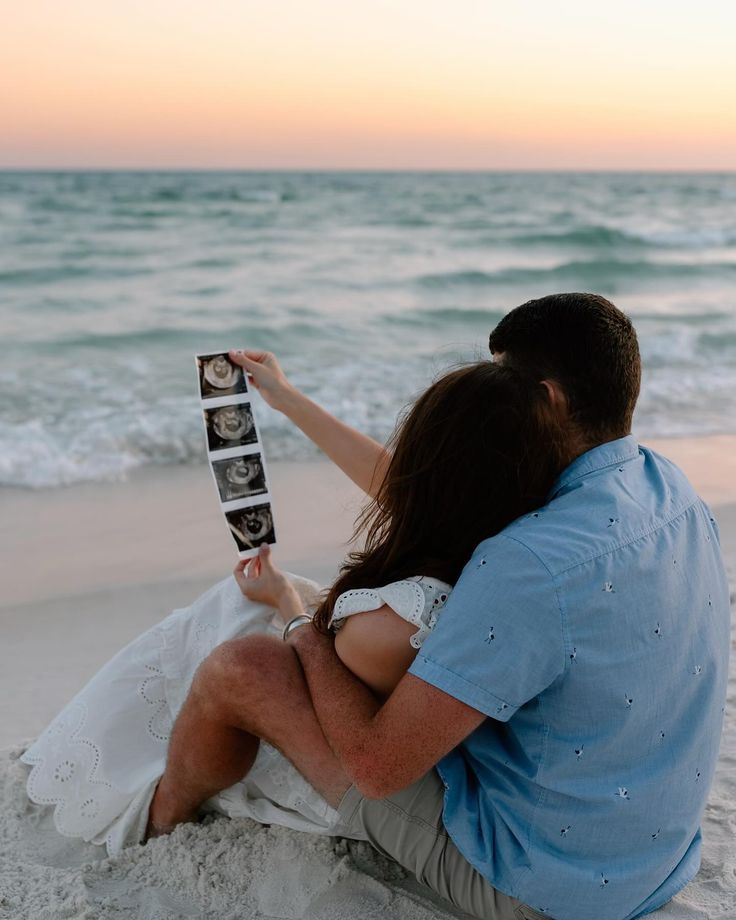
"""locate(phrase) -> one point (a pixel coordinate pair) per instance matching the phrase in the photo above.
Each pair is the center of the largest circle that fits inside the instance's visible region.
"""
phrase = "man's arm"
(382, 746)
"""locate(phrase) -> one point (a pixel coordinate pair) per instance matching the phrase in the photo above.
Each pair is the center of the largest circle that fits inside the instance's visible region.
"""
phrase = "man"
(550, 752)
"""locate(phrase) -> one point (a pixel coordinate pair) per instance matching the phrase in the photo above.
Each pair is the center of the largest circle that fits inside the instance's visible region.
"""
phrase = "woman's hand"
(261, 581)
(265, 373)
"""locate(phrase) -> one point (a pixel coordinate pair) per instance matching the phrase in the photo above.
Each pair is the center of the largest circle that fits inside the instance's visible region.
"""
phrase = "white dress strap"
(418, 600)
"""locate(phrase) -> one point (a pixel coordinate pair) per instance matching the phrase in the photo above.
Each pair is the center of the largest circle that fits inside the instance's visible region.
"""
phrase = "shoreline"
(163, 524)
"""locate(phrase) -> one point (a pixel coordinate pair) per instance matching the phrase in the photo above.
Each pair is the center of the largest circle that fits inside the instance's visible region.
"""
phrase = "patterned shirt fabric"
(595, 635)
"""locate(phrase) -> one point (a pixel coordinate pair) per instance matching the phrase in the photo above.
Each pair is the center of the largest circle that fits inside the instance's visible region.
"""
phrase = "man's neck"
(578, 443)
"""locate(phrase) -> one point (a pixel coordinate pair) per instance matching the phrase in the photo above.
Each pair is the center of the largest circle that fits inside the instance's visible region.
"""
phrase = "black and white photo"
(252, 526)
(235, 453)
(218, 376)
(230, 426)
(239, 477)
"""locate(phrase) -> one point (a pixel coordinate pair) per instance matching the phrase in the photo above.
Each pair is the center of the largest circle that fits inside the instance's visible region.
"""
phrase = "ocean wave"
(719, 341)
(669, 320)
(261, 332)
(61, 204)
(145, 212)
(56, 274)
(210, 262)
(399, 220)
(702, 238)
(95, 442)
(155, 203)
(169, 194)
(602, 236)
(34, 455)
(158, 335)
(210, 290)
(460, 315)
(40, 275)
(250, 196)
(591, 271)
(98, 420)
(592, 236)
(467, 277)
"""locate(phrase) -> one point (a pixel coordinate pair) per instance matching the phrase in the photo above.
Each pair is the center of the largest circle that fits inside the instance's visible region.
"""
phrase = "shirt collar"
(622, 450)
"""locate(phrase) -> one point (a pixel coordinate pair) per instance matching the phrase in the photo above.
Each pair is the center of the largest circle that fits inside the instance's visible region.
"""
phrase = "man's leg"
(408, 828)
(246, 689)
(254, 688)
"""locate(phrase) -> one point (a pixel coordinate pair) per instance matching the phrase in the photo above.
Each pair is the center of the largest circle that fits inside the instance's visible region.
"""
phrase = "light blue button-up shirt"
(595, 635)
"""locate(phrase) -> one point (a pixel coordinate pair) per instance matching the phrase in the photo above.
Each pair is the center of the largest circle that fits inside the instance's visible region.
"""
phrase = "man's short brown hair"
(588, 346)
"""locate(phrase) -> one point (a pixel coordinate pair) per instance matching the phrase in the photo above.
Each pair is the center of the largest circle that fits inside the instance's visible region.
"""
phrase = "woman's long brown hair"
(478, 449)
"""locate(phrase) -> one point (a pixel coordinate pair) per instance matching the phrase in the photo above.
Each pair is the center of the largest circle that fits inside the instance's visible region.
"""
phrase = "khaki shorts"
(407, 827)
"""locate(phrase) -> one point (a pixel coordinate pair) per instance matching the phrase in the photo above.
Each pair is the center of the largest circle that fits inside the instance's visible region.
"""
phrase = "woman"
(478, 449)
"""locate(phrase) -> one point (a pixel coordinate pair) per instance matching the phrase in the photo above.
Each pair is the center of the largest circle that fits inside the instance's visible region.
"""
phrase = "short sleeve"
(499, 642)
(417, 600)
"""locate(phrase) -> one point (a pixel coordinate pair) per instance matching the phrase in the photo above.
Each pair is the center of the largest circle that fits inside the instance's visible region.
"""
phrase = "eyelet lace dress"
(99, 761)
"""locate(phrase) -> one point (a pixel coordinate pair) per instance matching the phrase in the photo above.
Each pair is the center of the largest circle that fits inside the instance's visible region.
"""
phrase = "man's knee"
(239, 669)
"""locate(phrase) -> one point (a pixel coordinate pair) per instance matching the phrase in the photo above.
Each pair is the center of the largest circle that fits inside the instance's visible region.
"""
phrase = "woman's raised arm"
(358, 456)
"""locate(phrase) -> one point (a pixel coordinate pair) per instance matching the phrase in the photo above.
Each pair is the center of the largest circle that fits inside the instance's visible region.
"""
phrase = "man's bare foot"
(163, 816)
(157, 830)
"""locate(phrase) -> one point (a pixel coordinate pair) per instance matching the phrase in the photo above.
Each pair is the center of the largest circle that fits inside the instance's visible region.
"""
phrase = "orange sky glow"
(426, 84)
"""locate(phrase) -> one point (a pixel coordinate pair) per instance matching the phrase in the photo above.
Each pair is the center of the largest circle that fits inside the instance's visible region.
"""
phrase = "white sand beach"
(84, 569)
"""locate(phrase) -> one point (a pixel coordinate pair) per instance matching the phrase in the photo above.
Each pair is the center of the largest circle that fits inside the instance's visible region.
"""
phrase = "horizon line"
(374, 169)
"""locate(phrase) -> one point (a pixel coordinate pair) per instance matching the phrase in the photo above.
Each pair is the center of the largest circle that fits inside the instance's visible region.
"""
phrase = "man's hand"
(383, 747)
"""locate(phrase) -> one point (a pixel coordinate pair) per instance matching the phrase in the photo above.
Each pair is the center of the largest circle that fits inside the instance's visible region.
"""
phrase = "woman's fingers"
(247, 569)
(254, 568)
(241, 358)
(254, 354)
(264, 371)
(251, 360)
(253, 368)
(266, 559)
(259, 580)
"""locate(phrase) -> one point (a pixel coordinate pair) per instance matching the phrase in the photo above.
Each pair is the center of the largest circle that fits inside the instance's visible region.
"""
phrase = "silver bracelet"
(294, 623)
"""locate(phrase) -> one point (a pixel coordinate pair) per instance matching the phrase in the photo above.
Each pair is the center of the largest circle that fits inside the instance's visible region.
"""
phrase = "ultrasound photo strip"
(240, 477)
(235, 452)
(250, 527)
(218, 376)
(230, 426)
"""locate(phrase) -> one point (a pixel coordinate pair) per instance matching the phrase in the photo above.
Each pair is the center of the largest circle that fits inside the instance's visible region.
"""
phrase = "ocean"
(365, 285)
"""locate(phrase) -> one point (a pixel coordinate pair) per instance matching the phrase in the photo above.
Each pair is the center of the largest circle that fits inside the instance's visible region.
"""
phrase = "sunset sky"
(340, 84)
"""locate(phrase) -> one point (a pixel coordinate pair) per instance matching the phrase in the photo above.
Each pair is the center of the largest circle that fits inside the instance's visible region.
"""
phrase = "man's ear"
(556, 396)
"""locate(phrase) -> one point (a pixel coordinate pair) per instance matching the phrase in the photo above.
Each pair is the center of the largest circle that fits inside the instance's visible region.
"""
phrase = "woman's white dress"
(100, 759)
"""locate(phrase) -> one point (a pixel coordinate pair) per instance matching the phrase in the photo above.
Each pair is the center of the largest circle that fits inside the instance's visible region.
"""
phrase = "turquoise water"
(365, 285)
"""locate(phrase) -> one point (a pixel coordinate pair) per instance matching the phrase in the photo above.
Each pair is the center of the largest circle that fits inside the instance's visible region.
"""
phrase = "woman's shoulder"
(417, 599)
